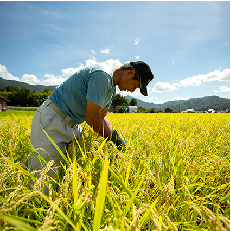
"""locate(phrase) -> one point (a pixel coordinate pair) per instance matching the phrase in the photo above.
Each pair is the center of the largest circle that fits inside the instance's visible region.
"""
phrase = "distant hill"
(4, 83)
(199, 104)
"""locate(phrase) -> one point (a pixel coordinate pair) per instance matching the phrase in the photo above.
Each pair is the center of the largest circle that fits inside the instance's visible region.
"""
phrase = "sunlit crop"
(173, 175)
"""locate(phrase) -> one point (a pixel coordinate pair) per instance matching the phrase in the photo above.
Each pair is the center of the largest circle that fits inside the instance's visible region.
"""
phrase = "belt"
(66, 118)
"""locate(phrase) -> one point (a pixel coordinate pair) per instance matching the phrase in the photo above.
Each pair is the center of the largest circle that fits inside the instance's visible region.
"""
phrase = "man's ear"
(131, 72)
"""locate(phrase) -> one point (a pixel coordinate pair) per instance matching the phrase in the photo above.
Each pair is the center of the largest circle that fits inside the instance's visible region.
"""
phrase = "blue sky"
(186, 44)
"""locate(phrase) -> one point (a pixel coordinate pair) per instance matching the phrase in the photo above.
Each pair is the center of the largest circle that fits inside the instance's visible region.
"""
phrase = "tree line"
(24, 97)
(120, 103)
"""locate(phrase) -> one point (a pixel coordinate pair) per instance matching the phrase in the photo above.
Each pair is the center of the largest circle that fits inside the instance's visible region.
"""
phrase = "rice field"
(173, 175)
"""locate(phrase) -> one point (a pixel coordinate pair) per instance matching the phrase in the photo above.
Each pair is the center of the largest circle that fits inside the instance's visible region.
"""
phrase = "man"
(85, 96)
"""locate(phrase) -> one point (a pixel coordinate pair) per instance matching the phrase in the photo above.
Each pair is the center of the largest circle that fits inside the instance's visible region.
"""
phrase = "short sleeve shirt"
(93, 83)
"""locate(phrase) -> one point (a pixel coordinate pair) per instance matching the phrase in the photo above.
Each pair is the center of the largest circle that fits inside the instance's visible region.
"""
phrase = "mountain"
(199, 104)
(205, 103)
(4, 83)
(142, 103)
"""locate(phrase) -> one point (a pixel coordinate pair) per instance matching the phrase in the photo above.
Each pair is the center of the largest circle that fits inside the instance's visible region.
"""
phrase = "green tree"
(44, 96)
(121, 109)
(11, 96)
(133, 102)
(119, 101)
(141, 109)
(34, 99)
(46, 90)
(24, 96)
(11, 88)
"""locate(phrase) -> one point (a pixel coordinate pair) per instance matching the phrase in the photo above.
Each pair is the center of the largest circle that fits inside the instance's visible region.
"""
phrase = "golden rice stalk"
(101, 195)
(213, 221)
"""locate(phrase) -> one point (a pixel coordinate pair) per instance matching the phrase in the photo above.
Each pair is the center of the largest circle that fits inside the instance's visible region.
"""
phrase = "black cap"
(145, 74)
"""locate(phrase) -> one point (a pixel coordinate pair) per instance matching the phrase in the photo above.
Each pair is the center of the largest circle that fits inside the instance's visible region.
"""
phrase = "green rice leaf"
(75, 189)
(114, 204)
(25, 172)
(62, 214)
(26, 220)
(81, 150)
(99, 149)
(132, 198)
(18, 223)
(128, 172)
(101, 196)
(137, 202)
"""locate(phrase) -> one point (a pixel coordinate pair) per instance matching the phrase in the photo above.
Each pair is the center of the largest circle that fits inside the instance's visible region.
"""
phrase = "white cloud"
(124, 93)
(176, 85)
(152, 100)
(173, 61)
(163, 86)
(137, 57)
(6, 75)
(30, 79)
(90, 62)
(52, 80)
(70, 71)
(191, 81)
(225, 75)
(224, 89)
(112, 63)
(216, 75)
(137, 41)
(105, 51)
(159, 87)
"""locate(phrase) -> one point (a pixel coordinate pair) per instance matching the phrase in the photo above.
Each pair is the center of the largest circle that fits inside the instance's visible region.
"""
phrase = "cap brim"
(143, 88)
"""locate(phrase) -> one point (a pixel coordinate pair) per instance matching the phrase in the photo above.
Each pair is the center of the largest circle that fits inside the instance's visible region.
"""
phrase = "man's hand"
(118, 141)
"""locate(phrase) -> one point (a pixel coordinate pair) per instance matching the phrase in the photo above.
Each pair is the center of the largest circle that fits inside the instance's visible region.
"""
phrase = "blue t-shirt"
(93, 83)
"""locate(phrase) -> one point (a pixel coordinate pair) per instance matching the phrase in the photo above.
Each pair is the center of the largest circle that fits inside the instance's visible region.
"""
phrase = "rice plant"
(173, 175)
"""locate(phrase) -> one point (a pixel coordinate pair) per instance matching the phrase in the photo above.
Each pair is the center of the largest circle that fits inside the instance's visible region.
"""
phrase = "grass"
(22, 109)
(173, 175)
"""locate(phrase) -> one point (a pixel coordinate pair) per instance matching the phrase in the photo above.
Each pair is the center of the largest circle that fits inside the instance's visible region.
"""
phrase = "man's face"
(127, 83)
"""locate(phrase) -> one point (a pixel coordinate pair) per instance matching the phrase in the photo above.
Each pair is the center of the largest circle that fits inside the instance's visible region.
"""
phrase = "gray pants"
(60, 131)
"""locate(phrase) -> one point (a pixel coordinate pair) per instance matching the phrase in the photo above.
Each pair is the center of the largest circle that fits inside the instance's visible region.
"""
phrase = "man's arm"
(103, 116)
(98, 119)
(102, 125)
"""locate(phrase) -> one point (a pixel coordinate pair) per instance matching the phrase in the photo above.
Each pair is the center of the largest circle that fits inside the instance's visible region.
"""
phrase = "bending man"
(85, 96)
